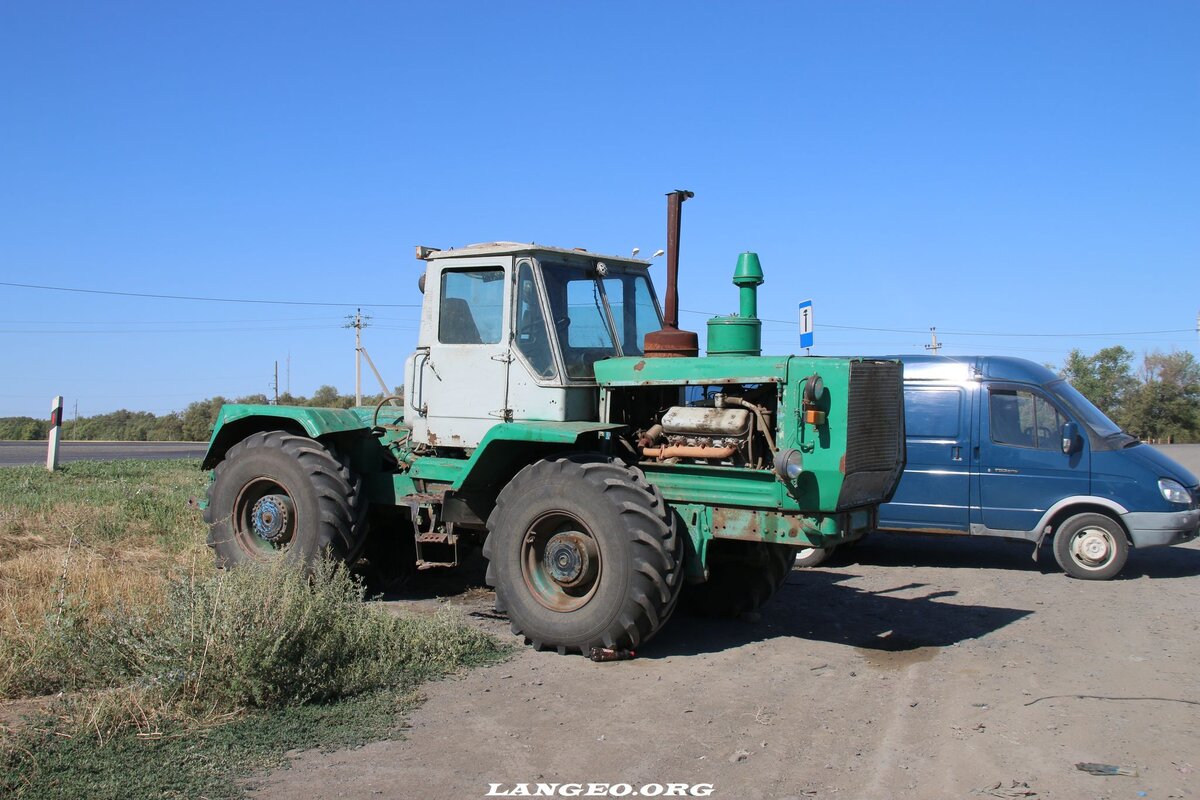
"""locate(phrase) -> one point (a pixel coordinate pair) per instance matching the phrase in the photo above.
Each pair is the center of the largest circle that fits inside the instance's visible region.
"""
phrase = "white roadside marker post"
(56, 413)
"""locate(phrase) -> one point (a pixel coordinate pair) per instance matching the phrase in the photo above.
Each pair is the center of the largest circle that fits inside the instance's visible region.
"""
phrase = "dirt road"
(926, 669)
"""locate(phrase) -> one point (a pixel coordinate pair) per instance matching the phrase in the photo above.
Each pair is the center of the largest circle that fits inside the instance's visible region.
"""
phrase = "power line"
(205, 299)
(796, 323)
(143, 331)
(209, 321)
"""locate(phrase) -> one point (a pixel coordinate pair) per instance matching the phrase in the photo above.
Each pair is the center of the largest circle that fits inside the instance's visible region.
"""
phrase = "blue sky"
(1008, 168)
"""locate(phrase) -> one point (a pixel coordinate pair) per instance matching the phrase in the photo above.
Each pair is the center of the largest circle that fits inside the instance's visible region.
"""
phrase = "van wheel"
(1091, 547)
(813, 556)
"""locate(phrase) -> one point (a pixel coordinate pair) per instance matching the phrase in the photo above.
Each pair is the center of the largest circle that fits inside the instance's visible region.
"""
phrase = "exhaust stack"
(670, 341)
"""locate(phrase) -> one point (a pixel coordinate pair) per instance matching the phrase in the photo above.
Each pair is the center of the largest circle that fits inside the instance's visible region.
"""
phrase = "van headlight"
(1174, 492)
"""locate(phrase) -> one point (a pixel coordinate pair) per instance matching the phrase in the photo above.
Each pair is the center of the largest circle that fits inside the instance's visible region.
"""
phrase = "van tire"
(813, 556)
(1091, 547)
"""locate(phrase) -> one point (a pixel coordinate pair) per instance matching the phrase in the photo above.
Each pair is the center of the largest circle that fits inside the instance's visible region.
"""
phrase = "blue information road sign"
(806, 323)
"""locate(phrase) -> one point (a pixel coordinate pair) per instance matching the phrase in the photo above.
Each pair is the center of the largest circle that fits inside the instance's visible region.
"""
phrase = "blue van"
(1004, 447)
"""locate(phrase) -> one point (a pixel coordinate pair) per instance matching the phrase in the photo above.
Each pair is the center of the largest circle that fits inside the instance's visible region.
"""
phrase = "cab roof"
(520, 248)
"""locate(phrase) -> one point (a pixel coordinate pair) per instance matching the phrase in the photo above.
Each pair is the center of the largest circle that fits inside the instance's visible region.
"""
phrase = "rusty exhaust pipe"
(670, 341)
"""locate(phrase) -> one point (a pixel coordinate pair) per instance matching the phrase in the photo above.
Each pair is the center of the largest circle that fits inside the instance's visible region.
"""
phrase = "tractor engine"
(719, 428)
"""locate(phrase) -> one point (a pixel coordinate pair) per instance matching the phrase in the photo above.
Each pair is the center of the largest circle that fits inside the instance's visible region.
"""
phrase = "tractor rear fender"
(235, 422)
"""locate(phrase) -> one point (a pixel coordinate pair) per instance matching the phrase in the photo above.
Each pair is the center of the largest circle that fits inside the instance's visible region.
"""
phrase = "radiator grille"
(875, 417)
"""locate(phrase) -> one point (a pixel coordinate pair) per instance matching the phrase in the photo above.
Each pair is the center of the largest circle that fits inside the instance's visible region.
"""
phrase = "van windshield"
(1082, 407)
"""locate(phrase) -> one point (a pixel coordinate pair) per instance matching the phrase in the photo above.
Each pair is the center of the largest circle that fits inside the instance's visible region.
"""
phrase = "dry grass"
(87, 540)
(51, 562)
(108, 600)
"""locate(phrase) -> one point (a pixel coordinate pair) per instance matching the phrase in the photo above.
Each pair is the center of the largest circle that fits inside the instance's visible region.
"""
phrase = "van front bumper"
(1159, 528)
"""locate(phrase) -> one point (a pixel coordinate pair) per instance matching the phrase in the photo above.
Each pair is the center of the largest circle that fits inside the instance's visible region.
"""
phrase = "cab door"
(934, 494)
(1022, 468)
(462, 381)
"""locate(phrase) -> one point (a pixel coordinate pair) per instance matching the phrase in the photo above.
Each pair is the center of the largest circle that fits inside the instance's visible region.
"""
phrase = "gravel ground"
(924, 668)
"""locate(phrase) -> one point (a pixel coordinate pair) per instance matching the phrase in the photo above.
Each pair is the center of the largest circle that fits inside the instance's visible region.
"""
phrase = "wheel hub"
(1092, 547)
(566, 559)
(272, 518)
(560, 561)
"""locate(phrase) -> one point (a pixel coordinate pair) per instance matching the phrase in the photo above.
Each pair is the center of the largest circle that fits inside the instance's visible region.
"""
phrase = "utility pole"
(275, 385)
(289, 373)
(934, 347)
(358, 322)
(75, 424)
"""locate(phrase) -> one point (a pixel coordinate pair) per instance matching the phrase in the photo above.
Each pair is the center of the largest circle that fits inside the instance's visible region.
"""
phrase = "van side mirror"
(1070, 438)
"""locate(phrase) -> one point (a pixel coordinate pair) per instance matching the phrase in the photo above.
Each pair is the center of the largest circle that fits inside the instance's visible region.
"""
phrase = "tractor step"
(437, 549)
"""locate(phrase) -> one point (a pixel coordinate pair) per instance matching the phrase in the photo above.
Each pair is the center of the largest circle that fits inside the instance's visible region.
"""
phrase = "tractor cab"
(512, 331)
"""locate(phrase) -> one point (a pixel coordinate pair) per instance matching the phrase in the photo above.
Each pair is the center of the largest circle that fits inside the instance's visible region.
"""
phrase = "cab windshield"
(596, 316)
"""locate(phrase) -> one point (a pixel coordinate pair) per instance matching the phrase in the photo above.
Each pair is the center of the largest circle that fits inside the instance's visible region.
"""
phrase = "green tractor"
(554, 415)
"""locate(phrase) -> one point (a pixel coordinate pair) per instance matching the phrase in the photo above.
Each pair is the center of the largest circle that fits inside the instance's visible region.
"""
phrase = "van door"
(1022, 468)
(935, 492)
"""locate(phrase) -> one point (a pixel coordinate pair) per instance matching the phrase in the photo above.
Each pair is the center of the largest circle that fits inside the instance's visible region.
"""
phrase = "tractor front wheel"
(278, 494)
(583, 552)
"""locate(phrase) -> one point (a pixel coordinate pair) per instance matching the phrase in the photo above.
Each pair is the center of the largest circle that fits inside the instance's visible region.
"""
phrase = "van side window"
(1023, 419)
(1049, 424)
(932, 413)
(472, 307)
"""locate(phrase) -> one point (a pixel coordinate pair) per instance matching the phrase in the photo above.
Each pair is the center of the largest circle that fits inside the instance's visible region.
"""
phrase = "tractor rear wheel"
(278, 494)
(742, 577)
(584, 552)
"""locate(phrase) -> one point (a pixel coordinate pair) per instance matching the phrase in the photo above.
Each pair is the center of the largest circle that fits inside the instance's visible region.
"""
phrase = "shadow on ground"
(816, 604)
(954, 552)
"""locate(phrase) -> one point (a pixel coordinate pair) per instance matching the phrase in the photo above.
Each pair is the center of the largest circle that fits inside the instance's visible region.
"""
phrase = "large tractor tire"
(276, 494)
(584, 552)
(742, 576)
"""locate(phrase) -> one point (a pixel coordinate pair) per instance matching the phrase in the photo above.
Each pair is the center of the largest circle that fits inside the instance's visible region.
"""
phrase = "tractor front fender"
(508, 447)
(237, 421)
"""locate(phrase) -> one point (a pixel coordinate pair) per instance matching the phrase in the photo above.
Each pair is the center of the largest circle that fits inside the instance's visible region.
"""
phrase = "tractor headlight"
(1174, 492)
(814, 387)
(789, 464)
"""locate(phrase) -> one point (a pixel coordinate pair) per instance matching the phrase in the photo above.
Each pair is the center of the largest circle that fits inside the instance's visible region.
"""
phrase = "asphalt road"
(1186, 454)
(14, 453)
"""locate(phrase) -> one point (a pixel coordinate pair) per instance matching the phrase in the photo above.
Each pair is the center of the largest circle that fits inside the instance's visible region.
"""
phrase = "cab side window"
(533, 337)
(472, 306)
(1024, 419)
